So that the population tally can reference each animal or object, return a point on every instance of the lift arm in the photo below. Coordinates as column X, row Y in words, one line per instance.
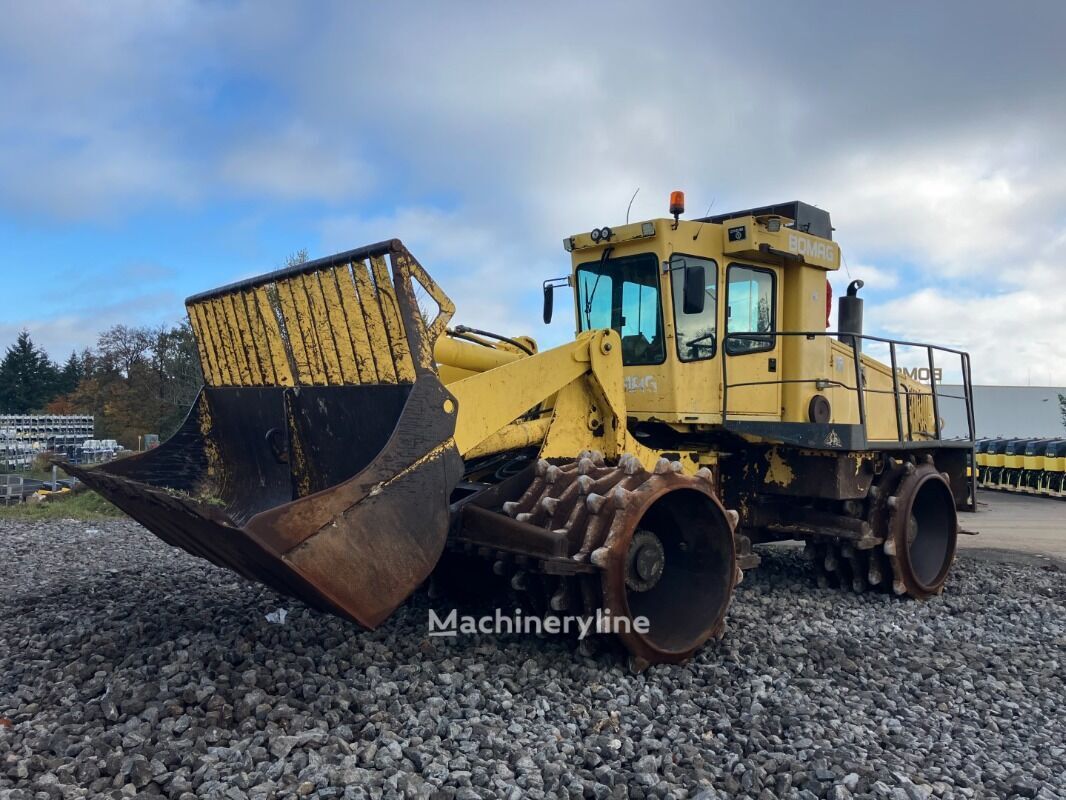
column 589, row 411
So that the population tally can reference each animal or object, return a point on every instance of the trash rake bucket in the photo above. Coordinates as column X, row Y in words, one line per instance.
column 318, row 458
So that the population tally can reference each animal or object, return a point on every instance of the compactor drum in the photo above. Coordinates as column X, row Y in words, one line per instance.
column 980, row 451
column 594, row 538
column 908, row 543
column 347, row 443
column 1053, row 483
column 995, row 456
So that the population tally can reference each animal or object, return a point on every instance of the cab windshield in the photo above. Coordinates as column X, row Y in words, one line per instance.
column 623, row 294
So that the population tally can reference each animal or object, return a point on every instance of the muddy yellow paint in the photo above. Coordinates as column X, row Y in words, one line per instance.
column 229, row 375
column 244, row 325
column 206, row 430
column 203, row 335
column 778, row 472
column 256, row 332
column 240, row 351
column 342, row 339
column 223, row 347
column 308, row 330
column 203, row 346
column 225, row 342
column 294, row 334
column 275, row 343
column 375, row 324
column 390, row 312
column 353, row 312
column 323, row 329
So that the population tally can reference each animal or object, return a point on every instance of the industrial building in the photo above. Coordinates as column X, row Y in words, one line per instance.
column 1005, row 411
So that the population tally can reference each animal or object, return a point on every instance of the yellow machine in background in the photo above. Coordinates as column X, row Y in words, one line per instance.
column 348, row 444
column 1032, row 466
column 1053, row 479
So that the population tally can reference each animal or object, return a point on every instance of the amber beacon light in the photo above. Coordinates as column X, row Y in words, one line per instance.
column 677, row 203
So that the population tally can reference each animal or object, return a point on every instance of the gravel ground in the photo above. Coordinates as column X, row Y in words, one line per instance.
column 128, row 668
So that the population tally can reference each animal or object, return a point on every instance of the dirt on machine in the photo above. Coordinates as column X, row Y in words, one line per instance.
column 349, row 445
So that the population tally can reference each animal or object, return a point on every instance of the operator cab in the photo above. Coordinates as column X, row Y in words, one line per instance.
column 685, row 296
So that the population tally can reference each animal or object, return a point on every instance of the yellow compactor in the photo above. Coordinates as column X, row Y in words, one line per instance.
column 1053, row 478
column 348, row 443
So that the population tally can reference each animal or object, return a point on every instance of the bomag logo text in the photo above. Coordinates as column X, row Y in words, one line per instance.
column 811, row 247
column 641, row 383
column 921, row 374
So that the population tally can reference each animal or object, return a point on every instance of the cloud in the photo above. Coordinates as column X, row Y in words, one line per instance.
column 295, row 163
column 484, row 134
column 873, row 278
column 66, row 307
column 59, row 334
column 1017, row 336
column 958, row 206
column 488, row 273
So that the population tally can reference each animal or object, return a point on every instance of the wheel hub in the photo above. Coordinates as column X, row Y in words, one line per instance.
column 644, row 562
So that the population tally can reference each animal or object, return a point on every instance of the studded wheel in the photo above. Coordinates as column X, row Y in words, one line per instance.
column 654, row 544
column 670, row 560
column 922, row 532
column 909, row 544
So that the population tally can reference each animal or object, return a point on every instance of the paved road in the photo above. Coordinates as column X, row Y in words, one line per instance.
column 1017, row 522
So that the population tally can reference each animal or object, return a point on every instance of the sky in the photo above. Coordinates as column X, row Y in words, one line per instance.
column 151, row 150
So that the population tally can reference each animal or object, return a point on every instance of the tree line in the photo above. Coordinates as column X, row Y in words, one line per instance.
column 135, row 380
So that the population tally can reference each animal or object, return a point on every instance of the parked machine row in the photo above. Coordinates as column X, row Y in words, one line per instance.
column 1031, row 466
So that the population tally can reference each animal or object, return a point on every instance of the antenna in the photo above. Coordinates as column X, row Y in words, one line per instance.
column 631, row 199
column 706, row 214
column 844, row 258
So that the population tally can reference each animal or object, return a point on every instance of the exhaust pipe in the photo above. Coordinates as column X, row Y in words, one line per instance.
column 849, row 316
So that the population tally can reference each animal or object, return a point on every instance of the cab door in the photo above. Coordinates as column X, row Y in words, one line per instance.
column 753, row 361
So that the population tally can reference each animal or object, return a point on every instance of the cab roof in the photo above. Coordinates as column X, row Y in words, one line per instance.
column 807, row 218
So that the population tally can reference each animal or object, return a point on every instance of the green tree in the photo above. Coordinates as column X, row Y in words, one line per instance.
column 176, row 374
column 123, row 348
column 1062, row 408
column 137, row 380
column 28, row 378
column 70, row 375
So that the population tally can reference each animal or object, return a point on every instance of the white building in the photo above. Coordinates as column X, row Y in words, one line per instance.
column 1012, row 412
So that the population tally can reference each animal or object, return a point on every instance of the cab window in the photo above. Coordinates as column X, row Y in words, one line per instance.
column 623, row 294
column 749, row 309
column 696, row 333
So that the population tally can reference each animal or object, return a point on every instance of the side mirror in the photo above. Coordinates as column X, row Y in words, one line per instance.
column 549, row 298
column 694, row 290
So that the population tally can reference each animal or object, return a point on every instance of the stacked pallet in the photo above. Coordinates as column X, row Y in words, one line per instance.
column 24, row 436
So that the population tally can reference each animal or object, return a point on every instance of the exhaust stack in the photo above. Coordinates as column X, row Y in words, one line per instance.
column 849, row 316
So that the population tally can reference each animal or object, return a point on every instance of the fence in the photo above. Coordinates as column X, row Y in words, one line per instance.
column 11, row 489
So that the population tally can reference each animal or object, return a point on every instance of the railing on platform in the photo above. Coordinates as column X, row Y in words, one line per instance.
column 861, row 388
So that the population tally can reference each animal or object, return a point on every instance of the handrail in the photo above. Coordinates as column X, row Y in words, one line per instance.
column 860, row 388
